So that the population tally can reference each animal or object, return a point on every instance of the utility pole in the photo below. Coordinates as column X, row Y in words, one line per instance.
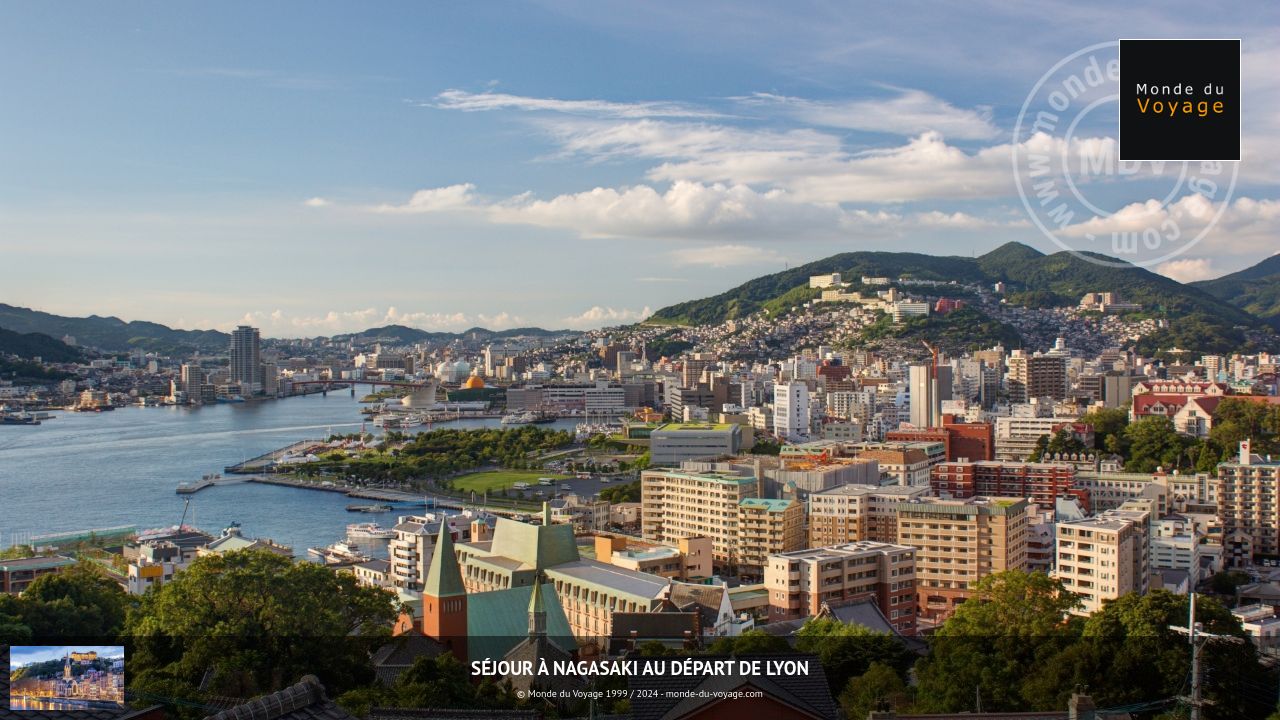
column 1197, row 637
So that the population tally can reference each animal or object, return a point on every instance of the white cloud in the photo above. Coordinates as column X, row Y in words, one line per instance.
column 727, row 256
column 910, row 112
column 315, row 202
column 480, row 102
column 441, row 199
column 598, row 316
column 685, row 210
column 1187, row 270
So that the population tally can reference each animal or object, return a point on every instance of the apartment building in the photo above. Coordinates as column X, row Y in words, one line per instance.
column 1104, row 557
column 959, row 542
column 766, row 527
column 1248, row 502
column 801, row 582
column 723, row 505
column 1016, row 437
column 1043, row 483
column 688, row 561
column 853, row 513
column 904, row 463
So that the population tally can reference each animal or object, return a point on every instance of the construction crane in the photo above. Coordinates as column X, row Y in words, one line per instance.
column 933, row 354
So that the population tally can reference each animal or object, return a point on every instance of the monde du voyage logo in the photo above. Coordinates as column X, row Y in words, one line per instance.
column 1129, row 148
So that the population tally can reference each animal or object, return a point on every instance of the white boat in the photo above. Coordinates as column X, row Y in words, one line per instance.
column 520, row 418
column 369, row 531
column 339, row 552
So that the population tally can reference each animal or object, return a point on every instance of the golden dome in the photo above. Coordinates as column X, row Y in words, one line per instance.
column 474, row 382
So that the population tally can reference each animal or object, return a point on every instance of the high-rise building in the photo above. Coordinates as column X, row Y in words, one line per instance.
column 959, row 542
column 929, row 387
column 246, row 360
column 791, row 410
column 191, row 378
column 1249, row 504
column 1036, row 376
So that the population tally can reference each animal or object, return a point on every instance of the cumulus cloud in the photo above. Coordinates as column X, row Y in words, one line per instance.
column 909, row 112
column 441, row 199
column 316, row 202
column 598, row 316
column 480, row 102
column 1187, row 270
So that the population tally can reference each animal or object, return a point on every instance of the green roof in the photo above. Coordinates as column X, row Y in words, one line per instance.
column 498, row 621
column 35, row 563
column 538, row 546
column 444, row 577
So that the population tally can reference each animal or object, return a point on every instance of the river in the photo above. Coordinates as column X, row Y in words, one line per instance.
column 94, row 470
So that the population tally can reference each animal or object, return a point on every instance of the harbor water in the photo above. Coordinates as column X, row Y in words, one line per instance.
column 81, row 471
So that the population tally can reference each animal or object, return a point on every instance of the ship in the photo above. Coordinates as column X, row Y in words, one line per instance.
column 18, row 419
column 519, row 418
column 369, row 531
column 339, row 553
column 369, row 508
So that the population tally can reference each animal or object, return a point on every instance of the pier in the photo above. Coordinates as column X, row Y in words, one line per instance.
column 396, row 496
column 267, row 461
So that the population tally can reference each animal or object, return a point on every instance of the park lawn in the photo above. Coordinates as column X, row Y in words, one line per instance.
column 501, row 479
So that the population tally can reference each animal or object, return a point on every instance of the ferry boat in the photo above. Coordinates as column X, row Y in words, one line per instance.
column 519, row 418
column 369, row 531
column 18, row 419
column 339, row 553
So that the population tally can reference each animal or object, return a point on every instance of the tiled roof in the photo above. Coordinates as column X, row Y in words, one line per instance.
column 649, row 626
column 807, row 694
column 392, row 659
column 304, row 701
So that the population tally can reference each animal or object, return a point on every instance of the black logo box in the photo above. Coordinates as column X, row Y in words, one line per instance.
column 1186, row 68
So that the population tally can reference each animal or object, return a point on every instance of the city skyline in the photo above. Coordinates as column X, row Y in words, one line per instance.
column 317, row 171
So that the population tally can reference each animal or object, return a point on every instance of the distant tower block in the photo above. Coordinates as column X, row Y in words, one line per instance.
column 424, row 398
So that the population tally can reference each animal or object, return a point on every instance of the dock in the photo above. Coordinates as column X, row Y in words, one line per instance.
column 206, row 482
column 395, row 496
column 267, row 461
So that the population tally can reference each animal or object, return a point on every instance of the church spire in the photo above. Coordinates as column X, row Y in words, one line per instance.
column 537, row 610
column 444, row 577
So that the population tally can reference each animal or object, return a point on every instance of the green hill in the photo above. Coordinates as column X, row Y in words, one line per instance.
column 32, row 345
column 111, row 333
column 1255, row 289
column 1198, row 319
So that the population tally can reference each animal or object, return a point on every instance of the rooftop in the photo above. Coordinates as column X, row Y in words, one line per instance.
column 598, row 574
column 766, row 504
column 835, row 552
column 36, row 563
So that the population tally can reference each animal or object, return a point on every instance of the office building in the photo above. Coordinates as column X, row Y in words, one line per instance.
column 673, row 443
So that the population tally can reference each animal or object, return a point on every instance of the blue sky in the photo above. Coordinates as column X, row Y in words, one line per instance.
column 324, row 167
column 20, row 655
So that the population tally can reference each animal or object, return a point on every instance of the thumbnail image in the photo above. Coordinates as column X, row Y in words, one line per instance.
column 66, row 677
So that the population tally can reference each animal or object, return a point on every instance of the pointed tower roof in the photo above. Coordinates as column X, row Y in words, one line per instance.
column 444, row 577
column 537, row 609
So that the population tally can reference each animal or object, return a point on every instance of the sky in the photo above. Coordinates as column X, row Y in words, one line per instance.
column 316, row 168
column 20, row 655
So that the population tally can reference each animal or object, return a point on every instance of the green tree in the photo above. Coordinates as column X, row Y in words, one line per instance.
column 1237, row 419
column 80, row 601
column 847, row 651
column 994, row 641
column 251, row 622
column 1106, row 422
column 751, row 642
column 1153, row 442
column 879, row 688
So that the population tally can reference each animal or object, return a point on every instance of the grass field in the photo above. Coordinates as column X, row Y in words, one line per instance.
column 501, row 479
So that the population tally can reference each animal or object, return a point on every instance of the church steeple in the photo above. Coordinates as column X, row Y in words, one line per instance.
column 537, row 610
column 444, row 597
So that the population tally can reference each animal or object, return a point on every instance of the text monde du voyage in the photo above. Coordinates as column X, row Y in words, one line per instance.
column 1179, row 100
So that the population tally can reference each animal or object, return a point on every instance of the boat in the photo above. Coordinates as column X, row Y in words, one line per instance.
column 369, row 508
column 519, row 418
column 339, row 553
column 18, row 419
column 369, row 531
column 543, row 418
